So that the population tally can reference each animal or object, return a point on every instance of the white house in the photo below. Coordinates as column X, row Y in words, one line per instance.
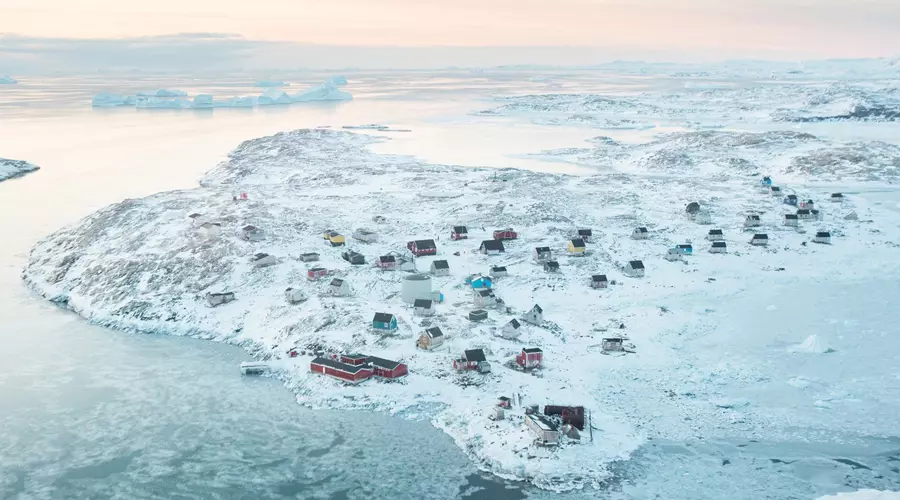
column 715, row 235
column 484, row 297
column 511, row 330
column 752, row 221
column 440, row 268
column 837, row 197
column 365, row 235
column 491, row 247
column 599, row 281
column 498, row 272
column 210, row 229
column 674, row 255
column 294, row 295
column 535, row 316
column 196, row 219
column 640, row 233
column 252, row 233
column 823, row 237
column 541, row 254
column 309, row 257
column 586, row 235
column 634, row 268
column 805, row 214
column 339, row 288
column 791, row 220
column 263, row 260
column 551, row 266
column 760, row 240
column 718, row 247
column 423, row 307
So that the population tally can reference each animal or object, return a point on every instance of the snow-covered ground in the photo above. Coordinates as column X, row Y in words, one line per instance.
column 14, row 168
column 139, row 265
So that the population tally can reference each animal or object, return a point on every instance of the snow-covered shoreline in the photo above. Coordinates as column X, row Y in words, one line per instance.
column 140, row 265
column 15, row 168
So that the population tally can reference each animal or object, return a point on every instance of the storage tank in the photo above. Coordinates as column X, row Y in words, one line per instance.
column 416, row 286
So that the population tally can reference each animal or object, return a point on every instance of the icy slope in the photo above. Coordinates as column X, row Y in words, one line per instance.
column 139, row 265
column 14, row 168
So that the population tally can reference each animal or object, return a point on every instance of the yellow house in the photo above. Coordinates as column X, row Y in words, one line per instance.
column 576, row 246
column 335, row 238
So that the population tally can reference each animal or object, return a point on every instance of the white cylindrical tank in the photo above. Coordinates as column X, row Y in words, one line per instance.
column 416, row 286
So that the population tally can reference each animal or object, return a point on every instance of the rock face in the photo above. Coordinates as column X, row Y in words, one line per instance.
column 15, row 168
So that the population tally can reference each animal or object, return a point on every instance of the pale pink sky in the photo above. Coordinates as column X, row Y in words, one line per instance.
column 816, row 28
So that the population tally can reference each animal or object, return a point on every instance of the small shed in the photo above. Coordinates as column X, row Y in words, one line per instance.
column 599, row 281
column 545, row 431
column 673, row 255
column 791, row 199
column 294, row 295
column 484, row 298
column 252, row 233
column 718, row 247
column 837, row 197
column 752, row 221
column 354, row 258
column 685, row 249
column 387, row 369
column 613, row 344
column 335, row 238
column 263, row 260
column 775, row 190
column 692, row 208
column 760, row 240
column 541, row 254
column 576, row 247
column 791, row 220
column 478, row 315
column 420, row 248
column 217, row 299
column 197, row 219
column 384, row 322
column 387, row 263
column 715, row 235
column 586, row 235
column 530, row 358
column 504, row 402
column 551, row 266
column 640, row 233
column 478, row 281
column 430, row 338
column 491, row 247
column 365, row 235
column 505, row 234
column 499, row 271
column 440, row 268
column 459, row 233
column 807, row 204
column 309, row 257
column 210, row 229
column 535, row 316
column 634, row 268
column 823, row 237
column 339, row 288
column 511, row 330
column 423, row 307
column 702, row 218
column 316, row 273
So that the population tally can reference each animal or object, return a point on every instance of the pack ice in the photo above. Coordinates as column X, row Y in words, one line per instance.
column 14, row 168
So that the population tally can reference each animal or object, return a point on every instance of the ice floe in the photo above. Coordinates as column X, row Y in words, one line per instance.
column 8, row 80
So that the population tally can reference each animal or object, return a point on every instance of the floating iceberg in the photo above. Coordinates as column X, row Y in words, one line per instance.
column 14, row 168
column 107, row 100
column 813, row 345
column 144, row 102
column 272, row 97
column 203, row 101
column 271, row 83
column 8, row 80
column 163, row 93
column 237, row 102
column 327, row 91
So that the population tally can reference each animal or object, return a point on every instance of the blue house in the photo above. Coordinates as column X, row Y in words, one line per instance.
column 685, row 249
column 766, row 181
column 384, row 321
column 791, row 199
column 478, row 282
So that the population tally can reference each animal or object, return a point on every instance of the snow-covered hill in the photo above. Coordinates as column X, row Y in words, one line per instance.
column 140, row 265
column 14, row 168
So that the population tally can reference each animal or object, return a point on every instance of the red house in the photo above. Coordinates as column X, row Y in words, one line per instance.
column 530, row 357
column 341, row 371
column 422, row 247
column 388, row 369
column 459, row 233
column 472, row 359
column 316, row 273
column 505, row 234
column 572, row 415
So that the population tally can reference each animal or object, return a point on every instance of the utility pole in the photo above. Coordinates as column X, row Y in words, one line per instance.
column 591, row 425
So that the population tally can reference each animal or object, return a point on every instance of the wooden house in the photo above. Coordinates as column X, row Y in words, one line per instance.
column 196, row 219
column 387, row 369
column 440, row 268
column 823, row 237
column 586, row 235
column 354, row 258
column 335, row 238
column 545, row 431
column 673, row 255
column 387, row 263
column 530, row 358
column 766, row 181
column 491, row 247
column 499, row 271
column 252, row 233
column 791, row 220
column 775, row 190
column 263, row 260
column 459, row 233
column 551, row 266
column 535, row 316
column 760, row 240
column 715, row 235
column 804, row 214
column 837, row 197
column 752, row 220
column 472, row 359
column 791, row 199
column 640, row 233
column 484, row 298
column 718, row 247
column 576, row 247
column 309, row 257
column 385, row 322
column 430, row 338
column 316, row 273
column 478, row 281
column 365, row 235
column 423, row 307
column 294, row 295
column 217, row 299
column 685, row 249
column 807, row 204
column 599, row 281
column 339, row 288
column 541, row 254
column 497, row 413
column 612, row 344
column 344, row 372
column 420, row 248
column 505, row 234
column 511, row 330
column 210, row 229
column 634, row 268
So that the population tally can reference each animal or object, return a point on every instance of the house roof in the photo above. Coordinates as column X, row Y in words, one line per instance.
column 383, row 317
column 504, row 398
column 387, row 258
column 823, row 234
column 478, row 312
column 538, row 308
column 692, row 207
column 753, row 217
column 718, row 244
column 425, row 244
column 543, row 422
column 760, row 236
column 425, row 303
column 485, row 292
column 493, row 245
column 260, row 256
column 531, row 350
column 552, row 264
column 585, row 232
column 474, row 355
column 776, row 188
column 434, row 332
column 599, row 277
column 440, row 264
column 803, row 211
column 354, row 355
column 792, row 196
column 250, row 228
column 337, row 282
column 685, row 246
column 498, row 268
column 317, row 269
column 387, row 364
column 636, row 264
column 308, row 253
column 542, row 249
column 344, row 367
column 641, row 229
column 578, row 243
column 210, row 224
column 613, row 339
column 332, row 233
column 514, row 323
column 195, row 215
column 790, row 216
column 715, row 231
column 837, row 195
column 460, row 229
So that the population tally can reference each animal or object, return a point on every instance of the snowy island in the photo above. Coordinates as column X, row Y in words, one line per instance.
column 316, row 255
column 15, row 168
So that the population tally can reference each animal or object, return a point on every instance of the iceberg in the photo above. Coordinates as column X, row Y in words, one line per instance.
column 203, row 101
column 327, row 91
column 237, row 102
column 271, row 83
column 273, row 97
column 107, row 100
column 8, row 80
column 813, row 345
column 14, row 168
column 163, row 93
column 143, row 102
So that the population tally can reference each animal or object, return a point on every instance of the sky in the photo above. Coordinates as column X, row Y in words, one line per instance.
column 610, row 29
